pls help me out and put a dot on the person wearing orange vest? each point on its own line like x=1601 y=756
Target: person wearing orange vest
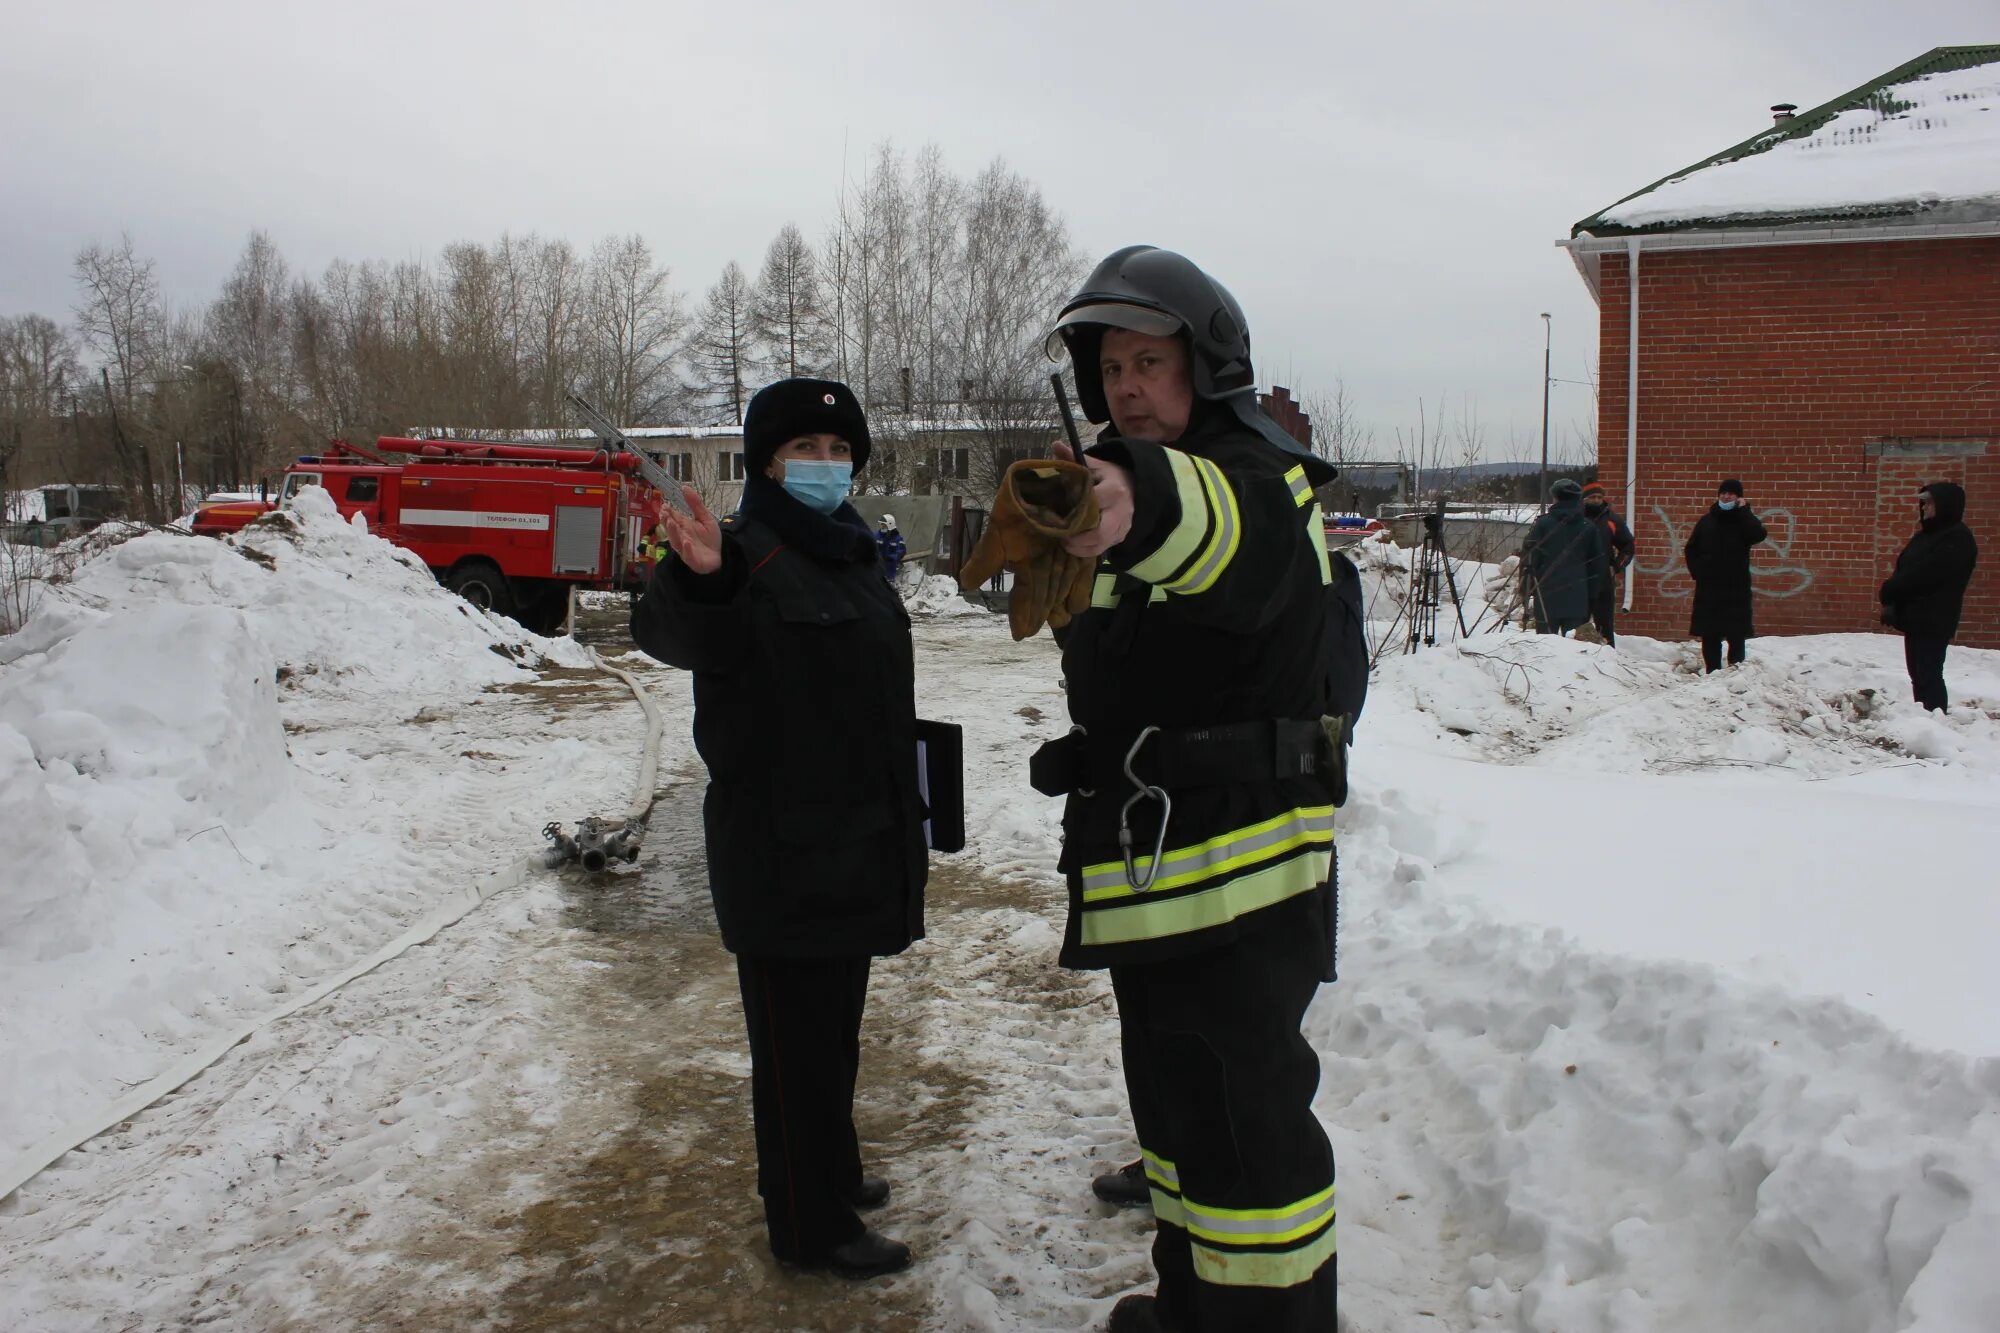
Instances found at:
x=1618 y=546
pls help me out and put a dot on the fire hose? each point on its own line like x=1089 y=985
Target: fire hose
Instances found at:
x=598 y=842
x=608 y=841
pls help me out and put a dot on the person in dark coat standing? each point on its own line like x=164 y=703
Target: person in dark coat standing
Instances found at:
x=1618 y=547
x=805 y=714
x=1924 y=596
x=1566 y=561
x=1718 y=560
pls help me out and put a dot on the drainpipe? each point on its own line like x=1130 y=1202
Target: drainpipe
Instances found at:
x=1632 y=394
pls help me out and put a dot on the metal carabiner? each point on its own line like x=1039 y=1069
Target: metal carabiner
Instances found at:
x=1142 y=791
x=1078 y=730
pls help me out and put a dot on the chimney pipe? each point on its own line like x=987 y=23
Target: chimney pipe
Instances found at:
x=1782 y=112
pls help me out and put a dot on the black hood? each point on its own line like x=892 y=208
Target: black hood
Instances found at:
x=1949 y=497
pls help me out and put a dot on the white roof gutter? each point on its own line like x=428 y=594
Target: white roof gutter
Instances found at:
x=1632 y=395
x=1585 y=249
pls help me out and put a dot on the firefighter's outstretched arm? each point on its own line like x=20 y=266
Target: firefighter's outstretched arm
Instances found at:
x=1220 y=534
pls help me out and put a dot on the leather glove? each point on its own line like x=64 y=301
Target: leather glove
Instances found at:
x=1041 y=501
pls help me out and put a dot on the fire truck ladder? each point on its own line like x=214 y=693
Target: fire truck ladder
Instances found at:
x=607 y=430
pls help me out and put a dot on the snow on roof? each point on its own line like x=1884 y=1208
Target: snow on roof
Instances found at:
x=1914 y=146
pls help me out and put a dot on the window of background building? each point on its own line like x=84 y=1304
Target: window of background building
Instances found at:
x=955 y=463
x=732 y=467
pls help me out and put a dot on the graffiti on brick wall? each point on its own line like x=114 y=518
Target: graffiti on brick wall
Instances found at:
x=1780 y=577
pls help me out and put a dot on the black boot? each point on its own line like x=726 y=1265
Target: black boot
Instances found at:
x=871 y=1254
x=1125 y=1187
x=1137 y=1314
x=872 y=1192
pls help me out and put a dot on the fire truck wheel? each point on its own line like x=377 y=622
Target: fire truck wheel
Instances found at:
x=482 y=585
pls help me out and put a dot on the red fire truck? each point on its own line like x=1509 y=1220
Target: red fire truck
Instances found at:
x=509 y=527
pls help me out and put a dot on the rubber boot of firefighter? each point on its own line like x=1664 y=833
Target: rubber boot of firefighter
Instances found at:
x=1126 y=1187
x=1138 y=1314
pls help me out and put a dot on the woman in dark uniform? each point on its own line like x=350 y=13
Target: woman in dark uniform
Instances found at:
x=806 y=717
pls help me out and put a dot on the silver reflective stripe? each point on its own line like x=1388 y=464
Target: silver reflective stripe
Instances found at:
x=1222 y=504
x=1231 y=851
x=1261 y=1226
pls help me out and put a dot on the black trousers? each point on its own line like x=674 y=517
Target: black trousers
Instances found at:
x=804 y=1017
x=1604 y=613
x=1221 y=1083
x=1711 y=653
x=1924 y=655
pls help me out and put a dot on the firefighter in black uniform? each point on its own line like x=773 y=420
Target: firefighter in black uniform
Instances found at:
x=1198 y=833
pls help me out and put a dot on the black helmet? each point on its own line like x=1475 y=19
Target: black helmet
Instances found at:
x=1149 y=290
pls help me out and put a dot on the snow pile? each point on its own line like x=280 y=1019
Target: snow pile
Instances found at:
x=1834 y=705
x=1939 y=146
x=170 y=861
x=333 y=605
x=938 y=595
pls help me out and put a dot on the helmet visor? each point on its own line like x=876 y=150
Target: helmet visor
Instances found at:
x=1116 y=314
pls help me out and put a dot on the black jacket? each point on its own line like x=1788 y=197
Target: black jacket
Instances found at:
x=806 y=717
x=1927 y=592
x=1618 y=543
x=1566 y=562
x=1213 y=610
x=1718 y=559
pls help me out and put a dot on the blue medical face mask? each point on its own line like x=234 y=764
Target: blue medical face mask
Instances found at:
x=817 y=483
x=1725 y=504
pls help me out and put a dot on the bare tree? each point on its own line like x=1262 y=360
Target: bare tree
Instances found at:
x=786 y=314
x=38 y=360
x=1016 y=266
x=721 y=350
x=1339 y=435
x=633 y=325
x=249 y=331
x=119 y=311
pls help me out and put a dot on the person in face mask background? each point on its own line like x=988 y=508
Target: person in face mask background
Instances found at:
x=1718 y=559
x=804 y=684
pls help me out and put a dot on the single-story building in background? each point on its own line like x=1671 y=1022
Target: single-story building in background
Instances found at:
x=1816 y=311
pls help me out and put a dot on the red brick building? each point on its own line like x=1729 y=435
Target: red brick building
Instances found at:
x=1817 y=314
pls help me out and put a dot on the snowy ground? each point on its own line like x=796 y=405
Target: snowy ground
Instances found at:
x=1665 y=999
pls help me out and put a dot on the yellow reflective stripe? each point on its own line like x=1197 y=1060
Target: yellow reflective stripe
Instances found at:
x=1260 y=1226
x=1149 y=919
x=1221 y=854
x=1316 y=530
x=1302 y=491
x=1186 y=535
x=1262 y=1268
x=1104 y=592
x=1223 y=540
x=1167 y=1210
x=1160 y=1171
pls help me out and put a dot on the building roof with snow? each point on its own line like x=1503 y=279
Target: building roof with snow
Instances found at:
x=1918 y=146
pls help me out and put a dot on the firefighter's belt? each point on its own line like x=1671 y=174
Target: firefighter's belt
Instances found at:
x=1218 y=756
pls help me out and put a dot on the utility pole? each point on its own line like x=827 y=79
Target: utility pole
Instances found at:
x=1542 y=494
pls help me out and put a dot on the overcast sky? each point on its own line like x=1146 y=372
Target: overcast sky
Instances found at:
x=1380 y=185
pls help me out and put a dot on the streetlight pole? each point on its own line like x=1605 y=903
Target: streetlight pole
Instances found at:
x=1547 y=325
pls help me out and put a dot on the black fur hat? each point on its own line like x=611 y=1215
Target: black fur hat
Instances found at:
x=790 y=408
x=1730 y=487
